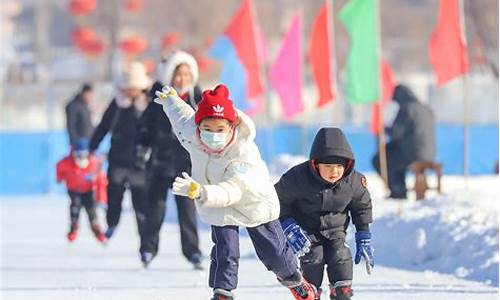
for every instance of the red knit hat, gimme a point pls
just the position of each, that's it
(215, 104)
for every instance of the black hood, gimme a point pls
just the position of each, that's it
(403, 94)
(330, 141)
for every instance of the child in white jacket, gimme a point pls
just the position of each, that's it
(231, 187)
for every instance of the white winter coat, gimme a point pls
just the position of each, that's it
(236, 183)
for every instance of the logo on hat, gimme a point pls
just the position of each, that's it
(218, 110)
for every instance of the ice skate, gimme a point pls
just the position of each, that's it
(146, 258)
(341, 293)
(196, 261)
(96, 229)
(109, 232)
(220, 294)
(73, 232)
(304, 291)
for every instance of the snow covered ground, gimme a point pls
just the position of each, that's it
(443, 248)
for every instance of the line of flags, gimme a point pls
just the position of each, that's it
(242, 50)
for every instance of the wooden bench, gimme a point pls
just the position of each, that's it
(419, 169)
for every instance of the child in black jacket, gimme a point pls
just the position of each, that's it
(318, 198)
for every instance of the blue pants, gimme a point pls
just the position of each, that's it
(269, 243)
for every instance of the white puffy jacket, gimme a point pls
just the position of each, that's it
(237, 187)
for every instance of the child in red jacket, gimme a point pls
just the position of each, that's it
(83, 177)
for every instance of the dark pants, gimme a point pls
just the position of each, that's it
(155, 214)
(333, 254)
(396, 173)
(121, 178)
(77, 201)
(269, 243)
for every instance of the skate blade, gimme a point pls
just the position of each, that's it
(369, 268)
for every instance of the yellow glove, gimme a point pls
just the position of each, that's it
(166, 91)
(186, 186)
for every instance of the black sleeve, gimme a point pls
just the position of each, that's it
(71, 122)
(104, 126)
(286, 194)
(401, 125)
(197, 94)
(157, 86)
(361, 204)
(146, 130)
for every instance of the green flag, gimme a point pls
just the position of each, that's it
(360, 19)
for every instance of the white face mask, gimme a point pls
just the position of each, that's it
(82, 163)
(81, 158)
(214, 140)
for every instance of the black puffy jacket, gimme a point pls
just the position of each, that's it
(168, 157)
(320, 207)
(122, 123)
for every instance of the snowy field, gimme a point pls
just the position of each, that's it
(443, 248)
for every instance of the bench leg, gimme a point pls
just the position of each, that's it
(420, 186)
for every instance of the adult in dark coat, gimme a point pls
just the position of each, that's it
(323, 208)
(78, 117)
(411, 138)
(121, 119)
(169, 159)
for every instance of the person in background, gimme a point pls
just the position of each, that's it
(411, 138)
(121, 120)
(158, 147)
(317, 199)
(84, 179)
(78, 116)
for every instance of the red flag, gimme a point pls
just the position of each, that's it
(388, 86)
(243, 32)
(320, 53)
(447, 47)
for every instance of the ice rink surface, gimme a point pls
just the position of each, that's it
(39, 263)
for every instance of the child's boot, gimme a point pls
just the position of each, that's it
(220, 294)
(110, 231)
(73, 231)
(96, 229)
(146, 258)
(304, 291)
(196, 261)
(341, 292)
(300, 288)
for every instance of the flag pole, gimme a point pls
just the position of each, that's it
(381, 131)
(331, 43)
(307, 110)
(266, 96)
(466, 100)
(466, 131)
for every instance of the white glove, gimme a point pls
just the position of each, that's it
(166, 91)
(186, 187)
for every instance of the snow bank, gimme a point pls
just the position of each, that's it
(456, 232)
